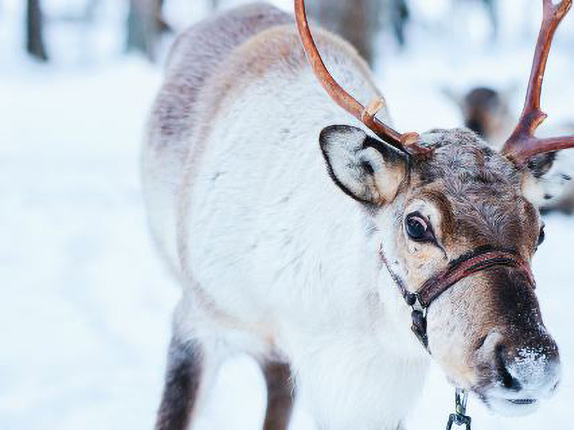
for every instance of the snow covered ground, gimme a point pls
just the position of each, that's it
(85, 304)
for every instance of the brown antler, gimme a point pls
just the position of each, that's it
(406, 141)
(522, 145)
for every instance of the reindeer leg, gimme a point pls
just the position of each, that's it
(279, 395)
(181, 385)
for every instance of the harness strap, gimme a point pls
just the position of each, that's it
(480, 259)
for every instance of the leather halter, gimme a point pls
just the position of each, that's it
(479, 259)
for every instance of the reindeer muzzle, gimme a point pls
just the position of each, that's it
(478, 260)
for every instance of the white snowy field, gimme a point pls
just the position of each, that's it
(85, 303)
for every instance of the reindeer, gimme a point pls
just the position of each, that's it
(487, 112)
(339, 253)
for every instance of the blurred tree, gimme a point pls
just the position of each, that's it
(400, 16)
(490, 8)
(492, 15)
(359, 21)
(145, 26)
(34, 31)
(356, 21)
(90, 10)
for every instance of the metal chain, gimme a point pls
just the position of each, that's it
(459, 418)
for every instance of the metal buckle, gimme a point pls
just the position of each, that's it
(419, 318)
(459, 418)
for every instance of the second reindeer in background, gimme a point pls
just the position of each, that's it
(488, 112)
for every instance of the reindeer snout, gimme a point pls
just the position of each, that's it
(528, 368)
(520, 369)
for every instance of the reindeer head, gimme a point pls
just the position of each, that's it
(461, 227)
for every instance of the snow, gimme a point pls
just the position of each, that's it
(85, 303)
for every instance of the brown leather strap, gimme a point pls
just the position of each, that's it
(476, 261)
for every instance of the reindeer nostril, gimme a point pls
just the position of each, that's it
(506, 379)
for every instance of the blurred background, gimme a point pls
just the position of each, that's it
(85, 303)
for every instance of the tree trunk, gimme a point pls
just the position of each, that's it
(34, 34)
(215, 4)
(90, 10)
(145, 25)
(356, 21)
(399, 15)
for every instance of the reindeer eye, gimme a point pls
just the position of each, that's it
(418, 228)
(541, 236)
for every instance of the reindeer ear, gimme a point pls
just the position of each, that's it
(366, 169)
(541, 164)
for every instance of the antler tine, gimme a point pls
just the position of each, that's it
(405, 142)
(522, 145)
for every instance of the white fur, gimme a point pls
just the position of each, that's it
(273, 257)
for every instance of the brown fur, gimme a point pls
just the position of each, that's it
(279, 395)
(478, 197)
(482, 192)
(181, 386)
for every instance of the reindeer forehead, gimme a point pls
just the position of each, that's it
(464, 162)
(476, 190)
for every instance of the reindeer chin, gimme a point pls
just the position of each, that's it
(511, 407)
